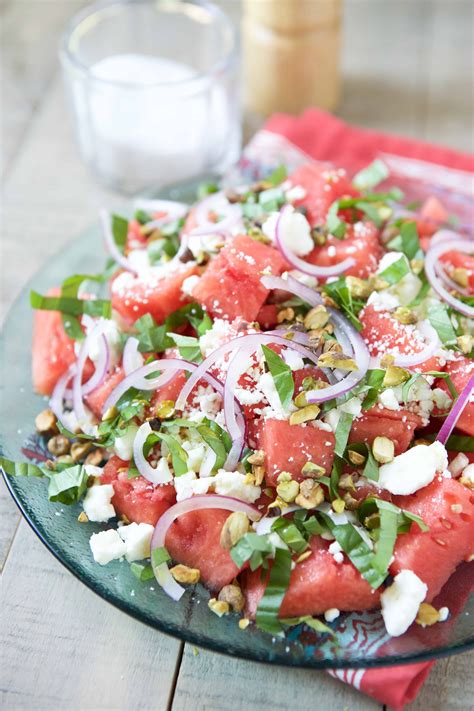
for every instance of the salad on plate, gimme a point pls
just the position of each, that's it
(270, 393)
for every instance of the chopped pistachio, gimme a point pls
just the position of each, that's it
(416, 266)
(383, 450)
(467, 482)
(110, 414)
(319, 236)
(395, 376)
(338, 505)
(233, 596)
(312, 470)
(304, 556)
(466, 343)
(59, 445)
(83, 518)
(258, 473)
(258, 457)
(165, 409)
(310, 495)
(185, 575)
(249, 479)
(330, 345)
(427, 615)
(310, 383)
(461, 276)
(377, 283)
(284, 476)
(218, 607)
(355, 458)
(244, 623)
(346, 482)
(340, 361)
(285, 315)
(405, 315)
(300, 400)
(317, 317)
(421, 441)
(373, 521)
(45, 423)
(65, 459)
(288, 491)
(386, 360)
(351, 503)
(328, 301)
(236, 525)
(305, 414)
(79, 450)
(358, 288)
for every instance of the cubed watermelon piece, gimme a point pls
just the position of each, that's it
(135, 238)
(194, 540)
(447, 507)
(267, 316)
(460, 370)
(322, 186)
(459, 260)
(53, 350)
(385, 334)
(361, 242)
(316, 585)
(95, 400)
(431, 216)
(230, 287)
(134, 296)
(136, 498)
(397, 425)
(288, 448)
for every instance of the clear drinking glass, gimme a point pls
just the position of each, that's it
(154, 90)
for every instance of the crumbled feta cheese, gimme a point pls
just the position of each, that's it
(97, 503)
(388, 400)
(401, 601)
(137, 539)
(292, 358)
(457, 464)
(305, 279)
(163, 472)
(208, 401)
(413, 469)
(332, 418)
(468, 473)
(383, 301)
(123, 446)
(107, 546)
(248, 397)
(210, 243)
(189, 283)
(295, 233)
(336, 552)
(352, 406)
(196, 454)
(234, 484)
(331, 614)
(139, 261)
(267, 386)
(220, 332)
(188, 484)
(269, 226)
(441, 399)
(407, 288)
(443, 613)
(297, 192)
(91, 470)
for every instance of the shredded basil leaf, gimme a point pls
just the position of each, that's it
(253, 548)
(119, 231)
(179, 456)
(334, 224)
(342, 432)
(281, 374)
(71, 305)
(69, 485)
(340, 293)
(289, 534)
(142, 572)
(371, 176)
(154, 339)
(159, 556)
(277, 176)
(396, 271)
(21, 468)
(272, 199)
(407, 241)
(269, 605)
(438, 316)
(188, 347)
(215, 442)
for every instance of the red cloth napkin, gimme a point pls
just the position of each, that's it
(317, 135)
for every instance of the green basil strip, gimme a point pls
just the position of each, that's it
(179, 456)
(340, 293)
(371, 176)
(290, 535)
(277, 176)
(20, 468)
(119, 231)
(407, 241)
(159, 556)
(371, 212)
(438, 316)
(456, 443)
(215, 442)
(387, 538)
(269, 606)
(371, 468)
(281, 374)
(69, 485)
(248, 545)
(334, 224)
(71, 305)
(188, 347)
(313, 622)
(342, 433)
(373, 384)
(142, 572)
(396, 271)
(356, 549)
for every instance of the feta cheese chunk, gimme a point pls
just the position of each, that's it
(123, 446)
(233, 484)
(383, 301)
(413, 469)
(331, 614)
(97, 503)
(401, 601)
(295, 232)
(388, 399)
(188, 484)
(137, 539)
(189, 283)
(336, 552)
(107, 546)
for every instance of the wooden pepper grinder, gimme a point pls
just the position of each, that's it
(291, 54)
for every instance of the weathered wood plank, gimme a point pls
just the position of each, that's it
(212, 682)
(449, 686)
(65, 648)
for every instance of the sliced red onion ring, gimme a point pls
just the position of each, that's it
(237, 366)
(456, 411)
(59, 393)
(142, 464)
(409, 361)
(174, 210)
(101, 367)
(297, 262)
(132, 359)
(432, 256)
(83, 417)
(106, 219)
(230, 214)
(442, 274)
(195, 503)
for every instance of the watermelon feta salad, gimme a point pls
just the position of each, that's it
(271, 393)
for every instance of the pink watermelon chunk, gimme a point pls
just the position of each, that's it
(136, 498)
(133, 297)
(397, 425)
(53, 350)
(447, 507)
(96, 399)
(385, 334)
(288, 448)
(361, 242)
(322, 186)
(194, 540)
(230, 287)
(316, 585)
(460, 371)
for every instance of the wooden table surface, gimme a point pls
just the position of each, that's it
(408, 68)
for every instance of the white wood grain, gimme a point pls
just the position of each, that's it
(65, 648)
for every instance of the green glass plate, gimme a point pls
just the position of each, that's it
(360, 637)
